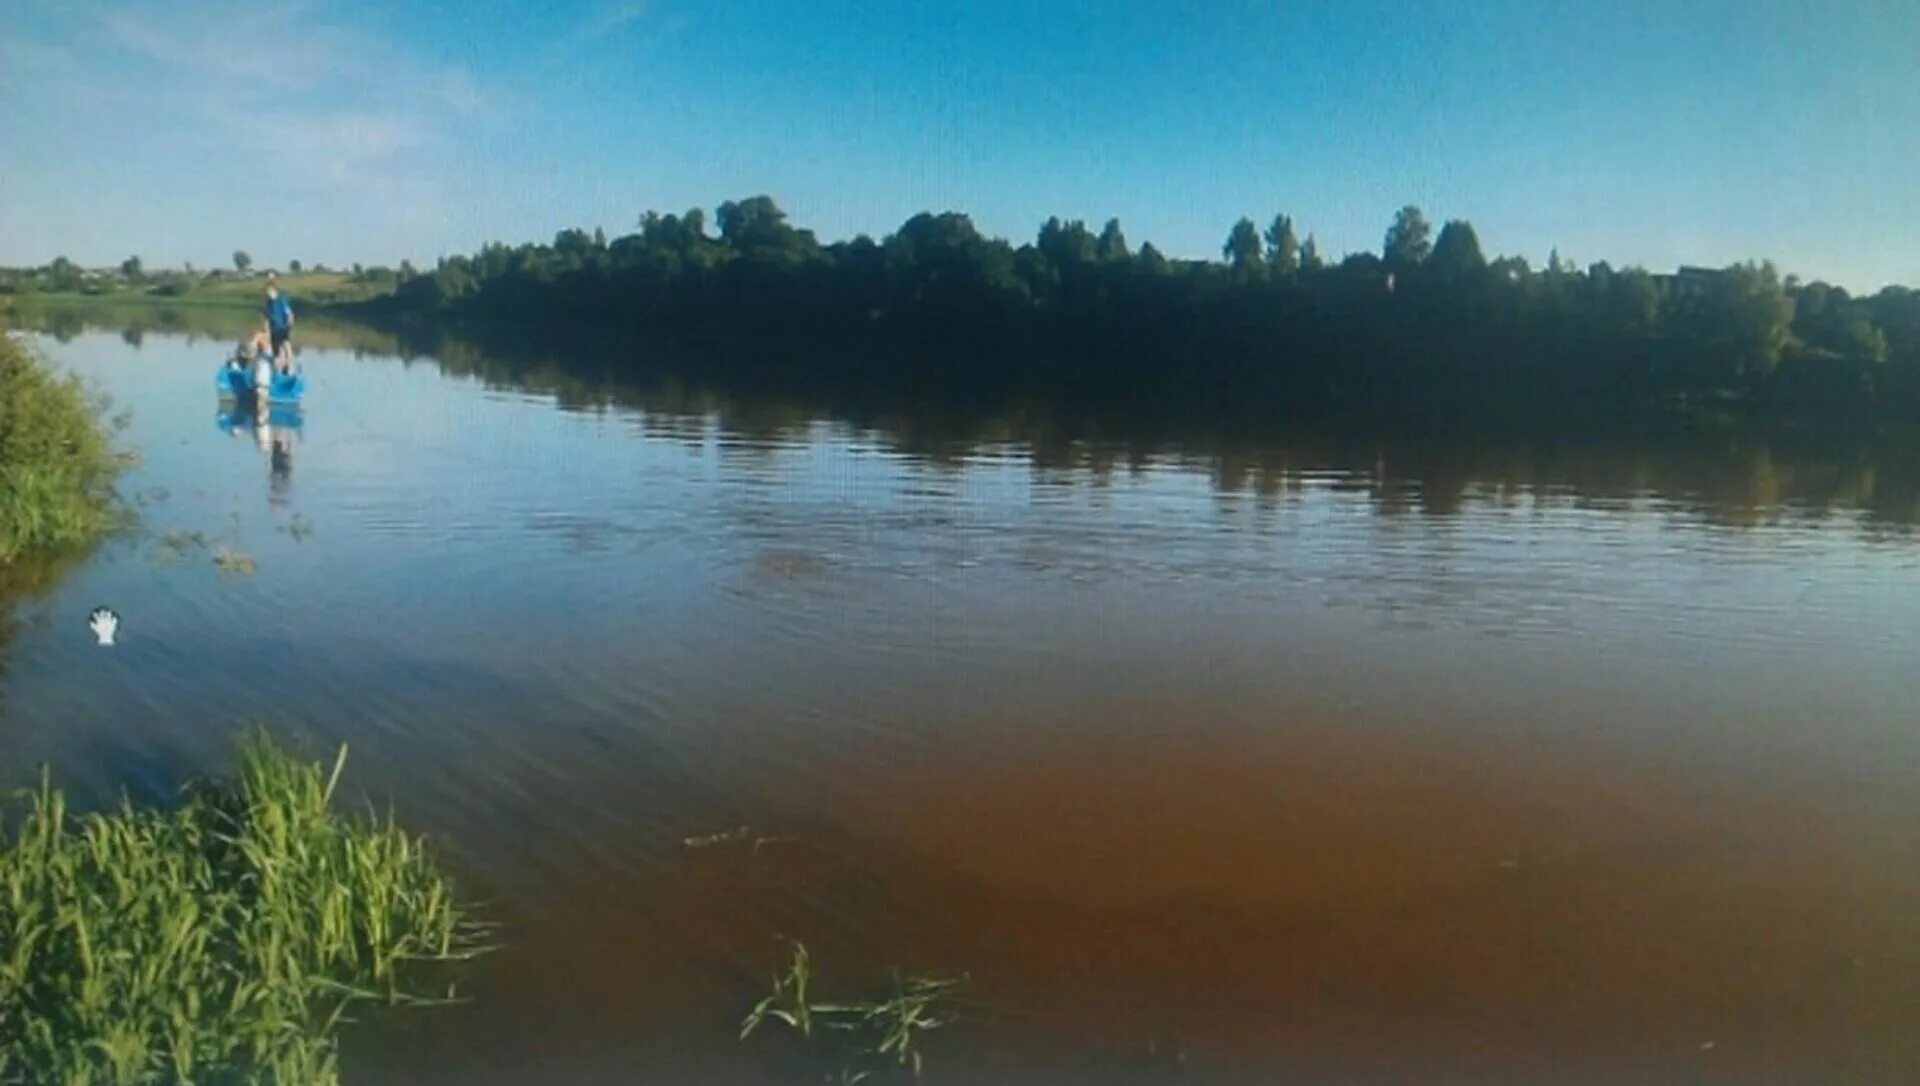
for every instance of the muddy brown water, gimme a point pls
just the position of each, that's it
(1351, 762)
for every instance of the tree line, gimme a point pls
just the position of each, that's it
(1428, 319)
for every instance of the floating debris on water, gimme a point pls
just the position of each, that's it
(737, 836)
(232, 561)
(725, 837)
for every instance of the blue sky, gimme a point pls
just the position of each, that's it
(1659, 133)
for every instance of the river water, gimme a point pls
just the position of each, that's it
(1280, 759)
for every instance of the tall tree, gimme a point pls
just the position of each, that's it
(1242, 250)
(1456, 254)
(1111, 248)
(130, 267)
(753, 219)
(1739, 321)
(1310, 256)
(1825, 317)
(1067, 244)
(63, 274)
(1408, 240)
(757, 228)
(241, 261)
(1633, 301)
(1283, 247)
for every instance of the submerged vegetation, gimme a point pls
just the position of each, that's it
(57, 466)
(228, 560)
(221, 940)
(1430, 321)
(867, 1037)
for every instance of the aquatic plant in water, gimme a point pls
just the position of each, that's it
(227, 560)
(220, 940)
(869, 1036)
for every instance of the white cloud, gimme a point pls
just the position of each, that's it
(613, 18)
(609, 19)
(318, 102)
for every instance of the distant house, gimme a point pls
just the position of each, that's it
(1688, 280)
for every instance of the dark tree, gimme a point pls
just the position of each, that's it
(1407, 243)
(1242, 250)
(1310, 256)
(63, 274)
(1067, 245)
(1111, 247)
(1283, 248)
(1456, 255)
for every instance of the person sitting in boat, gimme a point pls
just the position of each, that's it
(254, 353)
(248, 352)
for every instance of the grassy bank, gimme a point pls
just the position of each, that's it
(228, 292)
(57, 466)
(217, 941)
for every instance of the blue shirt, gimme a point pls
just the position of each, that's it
(279, 312)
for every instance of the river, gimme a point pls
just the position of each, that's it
(1278, 758)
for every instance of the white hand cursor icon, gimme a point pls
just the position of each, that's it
(104, 623)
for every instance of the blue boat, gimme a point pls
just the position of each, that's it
(236, 381)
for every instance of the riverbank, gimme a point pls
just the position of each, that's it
(57, 464)
(315, 289)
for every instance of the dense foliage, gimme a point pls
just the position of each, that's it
(57, 467)
(1429, 321)
(218, 941)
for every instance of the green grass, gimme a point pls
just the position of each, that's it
(218, 941)
(57, 467)
(234, 292)
(866, 1037)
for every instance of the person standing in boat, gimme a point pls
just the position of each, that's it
(279, 311)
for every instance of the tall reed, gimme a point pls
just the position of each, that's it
(220, 940)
